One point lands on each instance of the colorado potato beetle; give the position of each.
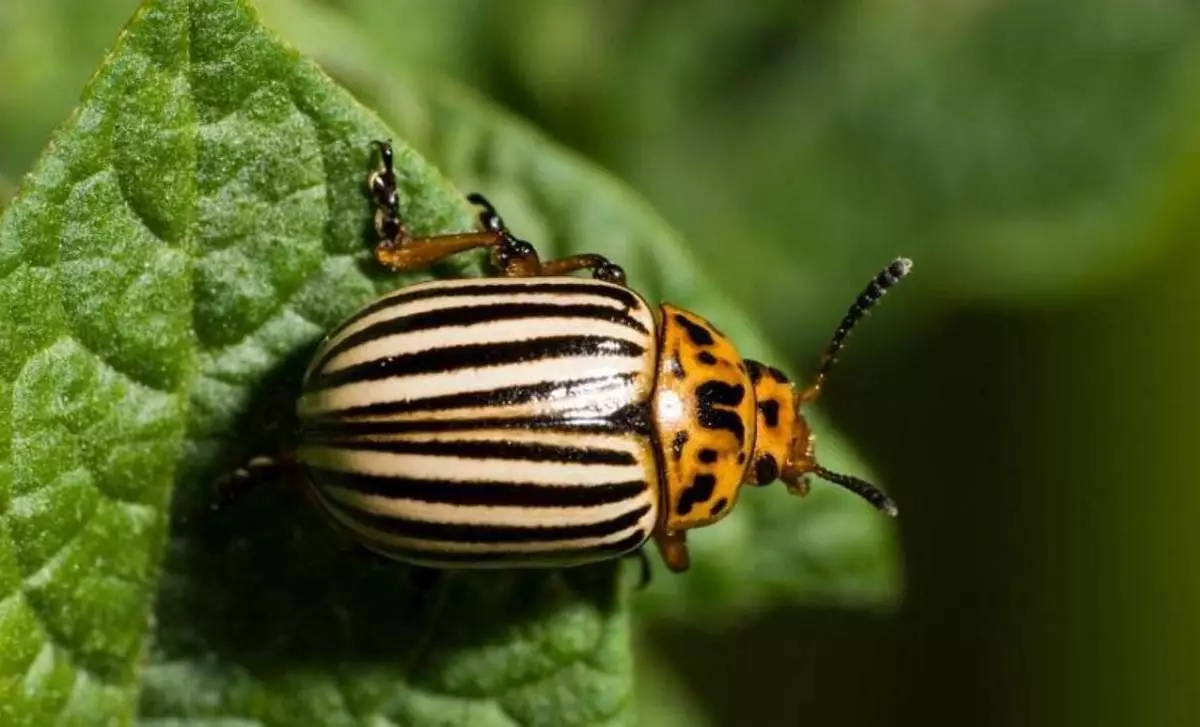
(541, 419)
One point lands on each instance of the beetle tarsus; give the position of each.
(488, 216)
(236, 485)
(382, 185)
(602, 268)
(610, 273)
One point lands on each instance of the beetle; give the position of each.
(541, 419)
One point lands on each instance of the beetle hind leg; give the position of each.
(256, 473)
(400, 251)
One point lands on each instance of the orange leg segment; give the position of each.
(672, 546)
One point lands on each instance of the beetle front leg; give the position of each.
(672, 546)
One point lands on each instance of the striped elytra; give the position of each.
(488, 422)
(536, 419)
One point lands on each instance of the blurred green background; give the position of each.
(1030, 397)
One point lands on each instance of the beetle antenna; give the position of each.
(876, 289)
(862, 488)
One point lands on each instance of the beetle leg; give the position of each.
(257, 472)
(397, 248)
(523, 252)
(673, 548)
(382, 185)
(645, 572)
(600, 266)
(400, 251)
(414, 253)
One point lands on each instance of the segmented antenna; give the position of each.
(862, 305)
(862, 488)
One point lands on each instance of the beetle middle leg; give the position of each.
(645, 572)
(399, 250)
(253, 475)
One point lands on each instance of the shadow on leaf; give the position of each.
(265, 582)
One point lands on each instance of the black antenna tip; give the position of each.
(862, 488)
(900, 267)
(876, 289)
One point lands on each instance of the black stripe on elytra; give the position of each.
(698, 333)
(501, 396)
(434, 556)
(491, 287)
(699, 491)
(464, 316)
(337, 433)
(475, 355)
(709, 395)
(468, 449)
(496, 493)
(489, 533)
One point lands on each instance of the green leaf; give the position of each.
(165, 270)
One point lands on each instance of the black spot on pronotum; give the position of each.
(699, 334)
(766, 470)
(741, 458)
(676, 365)
(777, 374)
(719, 507)
(706, 358)
(708, 456)
(755, 370)
(677, 444)
(709, 395)
(699, 491)
(770, 412)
